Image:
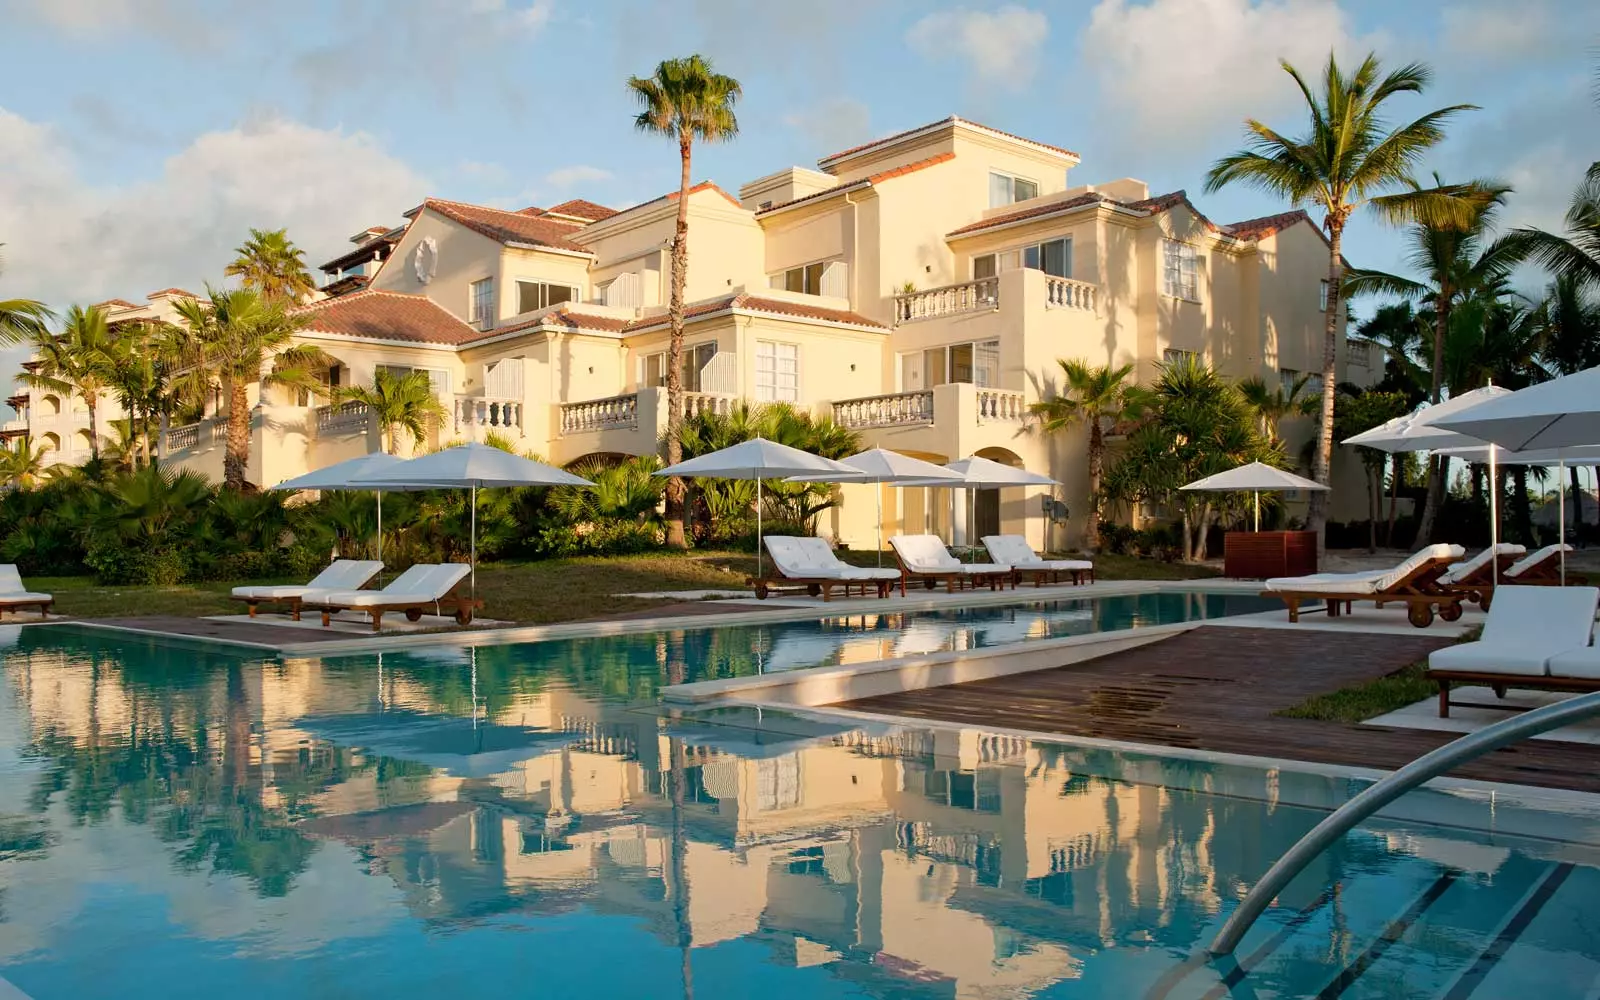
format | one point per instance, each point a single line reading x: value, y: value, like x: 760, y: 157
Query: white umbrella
x: 981, y: 473
x: 341, y: 476
x: 1561, y: 413
x: 879, y: 466
x: 469, y: 466
x: 1256, y: 477
x: 760, y: 459
x: 1558, y: 457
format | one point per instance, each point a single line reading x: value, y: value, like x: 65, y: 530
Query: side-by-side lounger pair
x: 1015, y: 552
x: 924, y: 557
x: 1535, y: 637
x: 810, y: 562
x: 1414, y: 583
x: 421, y: 588
x: 341, y: 574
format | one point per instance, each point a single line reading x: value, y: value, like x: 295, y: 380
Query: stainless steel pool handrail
x: 1385, y: 791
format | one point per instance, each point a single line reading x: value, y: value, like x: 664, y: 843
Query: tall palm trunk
x: 94, y: 425
x: 680, y: 267
x: 1091, y: 523
x: 1577, y: 500
x: 1322, y: 463
x: 1436, y: 466
x: 237, y: 459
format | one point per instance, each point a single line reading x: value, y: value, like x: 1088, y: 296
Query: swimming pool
x: 191, y: 822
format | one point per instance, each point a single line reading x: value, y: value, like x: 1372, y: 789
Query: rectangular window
x: 777, y: 372
x: 535, y: 295
x: 1007, y: 189
x: 1179, y: 272
x: 695, y: 359
x: 480, y: 305
x: 977, y: 363
x: 1052, y: 257
x: 1322, y: 295
x: 827, y: 277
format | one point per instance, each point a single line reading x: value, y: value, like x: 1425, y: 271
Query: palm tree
x: 1273, y: 405
x: 1344, y: 161
x: 226, y: 345
x: 269, y: 263
x: 1576, y: 255
x: 21, y: 464
x: 75, y: 362
x: 685, y: 100
x: 398, y: 402
x: 1456, y: 261
x: 1096, y: 396
x: 21, y: 319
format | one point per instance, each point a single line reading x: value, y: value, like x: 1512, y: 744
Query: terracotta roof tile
x: 119, y: 303
x: 383, y: 315
x: 1255, y: 229
x: 816, y: 196
x: 702, y: 186
x: 878, y: 178
x: 579, y: 208
x: 755, y: 303
x: 1153, y: 205
x: 953, y: 119
x: 172, y: 291
x: 1038, y: 211
x: 563, y: 318
x: 911, y: 168
x: 508, y: 227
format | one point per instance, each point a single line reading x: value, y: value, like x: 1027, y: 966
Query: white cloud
x: 578, y: 174
x: 834, y: 124
x: 1498, y: 32
x: 1000, y: 47
x: 1172, y: 72
x: 100, y: 17
x: 72, y: 241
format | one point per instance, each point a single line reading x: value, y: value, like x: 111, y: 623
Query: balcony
x: 610, y: 413
x: 897, y: 409
x: 342, y: 418
x: 479, y: 415
x: 985, y: 295
x: 630, y: 424
x: 954, y: 420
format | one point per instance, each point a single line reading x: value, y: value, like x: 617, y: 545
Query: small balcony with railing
x: 631, y: 424
x: 1019, y: 299
x: 474, y: 418
x: 955, y: 419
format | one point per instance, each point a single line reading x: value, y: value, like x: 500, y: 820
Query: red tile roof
x: 581, y: 209
x: 563, y: 318
x: 755, y: 303
x: 119, y: 303
x: 1255, y: 229
x: 1038, y: 211
x: 909, y: 168
x: 702, y: 186
x: 507, y: 227
x: 383, y: 315
x: 952, y: 120
x: 172, y: 291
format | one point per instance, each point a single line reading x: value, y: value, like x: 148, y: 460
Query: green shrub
x: 117, y: 563
x: 602, y: 538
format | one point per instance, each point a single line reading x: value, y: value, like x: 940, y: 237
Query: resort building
x: 919, y: 288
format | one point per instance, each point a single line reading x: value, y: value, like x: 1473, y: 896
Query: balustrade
x: 1001, y: 404
x: 1064, y: 293
x: 948, y: 300
x: 894, y: 410
x: 611, y: 413
x: 179, y: 438
x: 342, y: 417
x: 696, y: 403
x: 491, y: 413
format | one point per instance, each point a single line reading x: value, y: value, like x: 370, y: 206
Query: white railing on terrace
x: 611, y: 413
x: 894, y: 410
x: 341, y: 417
x: 489, y: 412
x: 1001, y: 404
x: 1358, y: 352
x: 1065, y: 293
x: 179, y: 438
x: 948, y: 300
x: 696, y: 403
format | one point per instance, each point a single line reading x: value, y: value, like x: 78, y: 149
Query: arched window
x: 49, y: 406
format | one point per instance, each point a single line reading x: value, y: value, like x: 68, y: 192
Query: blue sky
x: 139, y: 138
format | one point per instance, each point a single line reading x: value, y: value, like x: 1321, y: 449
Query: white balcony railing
x: 179, y: 438
x: 610, y: 413
x: 1064, y: 293
x: 491, y: 413
x: 696, y: 403
x: 342, y: 417
x: 894, y: 410
x: 978, y: 295
x: 1001, y: 404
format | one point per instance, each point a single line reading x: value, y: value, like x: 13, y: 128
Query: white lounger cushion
x: 818, y: 552
x: 12, y: 588
x: 1533, y: 559
x: 927, y: 554
x: 812, y: 558
x: 1583, y: 663
x: 341, y: 574
x: 1462, y: 570
x: 1014, y: 550
x: 1527, y: 626
x: 1366, y: 582
x: 421, y: 584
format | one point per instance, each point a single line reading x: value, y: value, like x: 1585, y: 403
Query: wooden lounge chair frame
x: 1420, y: 591
x: 815, y: 585
x: 462, y: 607
x: 1044, y: 575
x: 44, y: 604
x: 294, y: 604
x: 953, y: 580
x: 1499, y: 683
x: 1478, y: 586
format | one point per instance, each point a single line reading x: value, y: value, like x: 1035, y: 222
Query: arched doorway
x: 987, y: 508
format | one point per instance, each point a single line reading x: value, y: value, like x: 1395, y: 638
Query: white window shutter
x: 778, y: 281
x: 504, y: 379
x: 624, y: 291
x: 721, y: 374
x: 836, y: 279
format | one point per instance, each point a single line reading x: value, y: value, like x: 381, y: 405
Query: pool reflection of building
x: 990, y: 864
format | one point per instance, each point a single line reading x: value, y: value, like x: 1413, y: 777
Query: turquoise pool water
x: 527, y: 820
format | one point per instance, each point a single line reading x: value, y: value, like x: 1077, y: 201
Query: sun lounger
x: 924, y: 557
x: 415, y: 592
x: 341, y: 574
x: 810, y: 562
x: 1543, y: 566
x: 1414, y: 583
x: 1536, y: 637
x: 14, y: 596
x: 1476, y: 577
x: 1014, y: 551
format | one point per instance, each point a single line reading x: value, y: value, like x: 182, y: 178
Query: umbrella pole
x: 474, y: 541
x: 758, y: 526
x: 379, y: 495
x: 1494, y: 512
x: 1561, y: 518
x: 1257, y: 495
x: 878, y: 489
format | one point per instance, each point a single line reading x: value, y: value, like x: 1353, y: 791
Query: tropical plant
x: 75, y: 362
x: 1346, y: 159
x: 684, y: 100
x: 21, y: 320
x: 227, y: 343
x: 398, y: 402
x: 1097, y: 397
x: 269, y: 263
x: 1197, y: 425
x: 22, y: 465
x: 628, y: 489
x: 1575, y: 256
x: 1362, y: 411
x: 1274, y: 404
x: 1570, y: 320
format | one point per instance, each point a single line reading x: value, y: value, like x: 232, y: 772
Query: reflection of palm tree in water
x: 677, y: 778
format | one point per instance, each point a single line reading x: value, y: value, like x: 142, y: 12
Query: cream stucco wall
x: 465, y: 256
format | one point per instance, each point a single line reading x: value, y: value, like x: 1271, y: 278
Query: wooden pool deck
x: 1216, y: 689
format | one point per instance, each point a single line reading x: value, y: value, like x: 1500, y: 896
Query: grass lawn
x: 555, y: 590
x: 1361, y: 702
